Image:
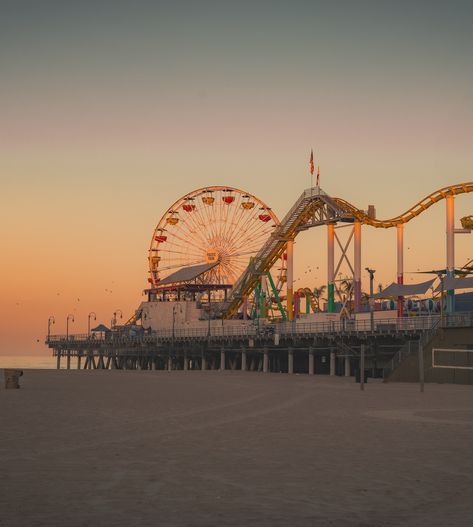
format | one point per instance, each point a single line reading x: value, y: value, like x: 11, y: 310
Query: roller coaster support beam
x: 400, y: 266
x: 290, y: 279
x: 450, y: 249
x: 264, y: 297
x: 357, y: 266
x: 276, y: 296
x: 331, y: 267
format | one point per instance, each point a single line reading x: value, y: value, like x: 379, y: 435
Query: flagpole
x: 311, y: 165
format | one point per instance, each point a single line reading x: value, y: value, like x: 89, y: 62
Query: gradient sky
x: 112, y: 110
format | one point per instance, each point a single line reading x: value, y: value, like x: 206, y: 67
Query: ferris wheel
x: 216, y: 225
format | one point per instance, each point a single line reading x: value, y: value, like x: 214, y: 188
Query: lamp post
x: 51, y: 320
x: 114, y: 319
x: 69, y: 317
x: 371, y: 273
x: 89, y: 316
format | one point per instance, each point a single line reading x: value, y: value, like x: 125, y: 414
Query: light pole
x: 371, y: 273
x: 69, y: 317
x: 89, y: 316
x: 114, y: 319
x: 51, y: 320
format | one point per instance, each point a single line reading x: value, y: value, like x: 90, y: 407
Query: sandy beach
x: 138, y: 448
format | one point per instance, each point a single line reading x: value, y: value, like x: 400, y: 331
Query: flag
x: 318, y: 175
x: 311, y: 162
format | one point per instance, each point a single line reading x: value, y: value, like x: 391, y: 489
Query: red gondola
x: 264, y: 217
x: 161, y: 239
x: 188, y: 207
x: 228, y: 199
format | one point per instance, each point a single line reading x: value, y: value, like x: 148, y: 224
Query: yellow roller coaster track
x: 307, y: 293
x: 418, y: 208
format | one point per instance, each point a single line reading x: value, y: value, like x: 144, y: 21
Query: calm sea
x: 29, y: 362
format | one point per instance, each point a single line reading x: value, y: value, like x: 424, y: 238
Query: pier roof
x: 187, y: 274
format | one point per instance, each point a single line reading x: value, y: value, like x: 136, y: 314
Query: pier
x: 335, y: 348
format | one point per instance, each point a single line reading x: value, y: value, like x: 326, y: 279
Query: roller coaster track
x: 305, y: 292
x: 330, y: 210
x: 418, y: 208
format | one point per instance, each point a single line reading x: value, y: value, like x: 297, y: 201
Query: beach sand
x: 193, y: 448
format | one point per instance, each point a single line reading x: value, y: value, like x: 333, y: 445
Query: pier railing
x: 414, y: 325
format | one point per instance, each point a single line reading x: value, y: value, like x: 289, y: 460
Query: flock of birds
x: 58, y: 293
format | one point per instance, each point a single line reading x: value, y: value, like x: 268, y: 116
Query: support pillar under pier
x: 347, y: 367
x: 204, y: 362
x: 290, y: 360
x: 222, y: 359
x: 58, y: 361
x: 332, y: 363
x: 265, y: 360
x: 243, y: 359
x: 311, y: 361
x: 186, y: 361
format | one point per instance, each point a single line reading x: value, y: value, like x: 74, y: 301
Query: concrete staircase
x: 404, y: 367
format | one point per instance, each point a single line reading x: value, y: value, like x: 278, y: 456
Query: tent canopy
x: 450, y: 283
x: 395, y: 290
x: 100, y: 328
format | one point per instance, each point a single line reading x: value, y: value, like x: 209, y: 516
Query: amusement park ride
x: 221, y: 254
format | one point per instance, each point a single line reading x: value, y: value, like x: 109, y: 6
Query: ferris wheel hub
x: 212, y: 256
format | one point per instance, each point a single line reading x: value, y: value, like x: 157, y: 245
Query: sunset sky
x: 111, y: 110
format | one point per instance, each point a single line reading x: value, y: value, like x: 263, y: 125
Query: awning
x: 395, y: 290
x: 186, y: 274
x: 450, y: 283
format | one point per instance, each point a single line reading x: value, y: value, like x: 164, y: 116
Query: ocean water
x: 36, y: 362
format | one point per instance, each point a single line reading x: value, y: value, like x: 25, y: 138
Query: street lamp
x: 371, y: 273
x: 51, y: 320
x: 69, y: 317
x: 114, y: 319
x: 89, y: 316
